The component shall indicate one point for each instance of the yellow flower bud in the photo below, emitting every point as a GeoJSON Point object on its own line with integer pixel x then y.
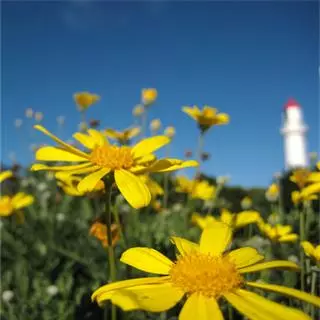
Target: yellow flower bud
{"type": "Point", "coordinates": [170, 132]}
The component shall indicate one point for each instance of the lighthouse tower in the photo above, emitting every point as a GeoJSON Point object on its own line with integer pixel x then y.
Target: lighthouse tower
{"type": "Point", "coordinates": [294, 131]}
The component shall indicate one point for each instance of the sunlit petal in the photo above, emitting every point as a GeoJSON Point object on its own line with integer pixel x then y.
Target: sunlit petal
{"type": "Point", "coordinates": [132, 188]}
{"type": "Point", "coordinates": [148, 260]}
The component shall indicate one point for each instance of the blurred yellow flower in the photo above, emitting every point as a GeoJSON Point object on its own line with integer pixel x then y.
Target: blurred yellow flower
{"type": "Point", "coordinates": [207, 117]}
{"type": "Point", "coordinates": [18, 123]}
{"type": "Point", "coordinates": [85, 99]}
{"type": "Point", "coordinates": [148, 96]}
{"type": "Point", "coordinates": [123, 137]}
{"type": "Point", "coordinates": [68, 183]}
{"type": "Point", "coordinates": [156, 205]}
{"type": "Point", "coordinates": [311, 251]}
{"type": "Point", "coordinates": [246, 203]}
{"type": "Point", "coordinates": [4, 175]}
{"type": "Point", "coordinates": [278, 233]}
{"type": "Point", "coordinates": [300, 177]}
{"type": "Point", "coordinates": [234, 220]}
{"type": "Point", "coordinates": [195, 188]}
{"type": "Point", "coordinates": [29, 113]}
{"type": "Point", "coordinates": [203, 273]}
{"type": "Point", "coordinates": [272, 194]}
{"type": "Point", "coordinates": [99, 230]}
{"type": "Point", "coordinates": [306, 194]}
{"type": "Point", "coordinates": [155, 125]}
{"type": "Point", "coordinates": [138, 110]}
{"type": "Point", "coordinates": [38, 116]}
{"type": "Point", "coordinates": [170, 132]}
{"type": "Point", "coordinates": [124, 163]}
{"type": "Point", "coordinates": [10, 205]}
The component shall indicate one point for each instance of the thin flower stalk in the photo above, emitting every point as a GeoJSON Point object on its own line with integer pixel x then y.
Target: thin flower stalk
{"type": "Point", "coordinates": [112, 262]}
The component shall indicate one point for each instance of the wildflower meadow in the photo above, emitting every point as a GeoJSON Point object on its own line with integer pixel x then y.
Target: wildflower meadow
{"type": "Point", "coordinates": [108, 225]}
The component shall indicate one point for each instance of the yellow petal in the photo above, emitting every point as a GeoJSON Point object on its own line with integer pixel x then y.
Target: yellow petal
{"type": "Point", "coordinates": [59, 141]}
{"type": "Point", "coordinates": [148, 260]}
{"type": "Point", "coordinates": [113, 134]}
{"type": "Point", "coordinates": [57, 154]}
{"type": "Point", "coordinates": [307, 247]}
{"type": "Point", "coordinates": [5, 175]}
{"type": "Point", "coordinates": [150, 297]}
{"type": "Point", "coordinates": [245, 257]}
{"type": "Point", "coordinates": [282, 264]}
{"type": "Point", "coordinates": [149, 158]}
{"type": "Point", "coordinates": [132, 188]}
{"type": "Point", "coordinates": [85, 140]}
{"type": "Point", "coordinates": [22, 202]}
{"type": "Point", "coordinates": [89, 182]}
{"type": "Point", "coordinates": [215, 238]}
{"type": "Point", "coordinates": [149, 145]}
{"type": "Point", "coordinates": [184, 246]}
{"type": "Point", "coordinates": [97, 137]}
{"type": "Point", "coordinates": [167, 165]}
{"type": "Point", "coordinates": [39, 166]}
{"type": "Point", "coordinates": [105, 292]}
{"type": "Point", "coordinates": [288, 292]}
{"type": "Point", "coordinates": [256, 307]}
{"type": "Point", "coordinates": [222, 118]}
{"type": "Point", "coordinates": [193, 112]}
{"type": "Point", "coordinates": [289, 238]}
{"type": "Point", "coordinates": [198, 307]}
{"type": "Point", "coordinates": [133, 132]}
{"type": "Point", "coordinates": [311, 189]}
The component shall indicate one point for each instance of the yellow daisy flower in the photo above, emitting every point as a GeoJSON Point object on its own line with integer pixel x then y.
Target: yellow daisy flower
{"type": "Point", "coordinates": [138, 110]}
{"type": "Point", "coordinates": [278, 233]}
{"type": "Point", "coordinates": [246, 203]}
{"type": "Point", "coordinates": [10, 205]}
{"type": "Point", "coordinates": [311, 251]}
{"type": "Point", "coordinates": [169, 132]}
{"type": "Point", "coordinates": [68, 183]}
{"type": "Point", "coordinates": [149, 96]}
{"type": "Point", "coordinates": [123, 137]}
{"type": "Point", "coordinates": [85, 99]}
{"type": "Point", "coordinates": [125, 163]}
{"type": "Point", "coordinates": [306, 194]}
{"type": "Point", "coordinates": [203, 273]}
{"type": "Point", "coordinates": [234, 220]}
{"type": "Point", "coordinates": [207, 117]}
{"type": "Point", "coordinates": [195, 188]}
{"type": "Point", "coordinates": [155, 125]}
{"type": "Point", "coordinates": [99, 230]}
{"type": "Point", "coordinates": [300, 177]}
{"type": "Point", "coordinates": [272, 194]}
{"type": "Point", "coordinates": [4, 175]}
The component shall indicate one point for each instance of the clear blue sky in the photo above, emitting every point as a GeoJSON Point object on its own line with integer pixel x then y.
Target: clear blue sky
{"type": "Point", "coordinates": [244, 58]}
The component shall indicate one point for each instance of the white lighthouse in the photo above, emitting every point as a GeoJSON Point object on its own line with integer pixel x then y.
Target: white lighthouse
{"type": "Point", "coordinates": [294, 131]}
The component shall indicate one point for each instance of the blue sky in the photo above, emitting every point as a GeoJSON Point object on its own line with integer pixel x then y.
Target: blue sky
{"type": "Point", "coordinates": [244, 58]}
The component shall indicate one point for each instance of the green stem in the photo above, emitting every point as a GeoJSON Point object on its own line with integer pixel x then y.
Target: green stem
{"type": "Point", "coordinates": [230, 313]}
{"type": "Point", "coordinates": [199, 152]}
{"type": "Point", "coordinates": [112, 262]}
{"type": "Point", "coordinates": [313, 292]}
{"type": "Point", "coordinates": [117, 218]}
{"type": "Point", "coordinates": [166, 181]}
{"type": "Point", "coordinates": [302, 238]}
{"type": "Point", "coordinates": [144, 122]}
{"type": "Point", "coordinates": [280, 203]}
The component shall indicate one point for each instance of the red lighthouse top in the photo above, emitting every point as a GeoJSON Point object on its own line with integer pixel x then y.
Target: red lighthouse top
{"type": "Point", "coordinates": [291, 104]}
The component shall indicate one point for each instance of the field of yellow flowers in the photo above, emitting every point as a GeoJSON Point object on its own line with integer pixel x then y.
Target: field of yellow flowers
{"type": "Point", "coordinates": [101, 228]}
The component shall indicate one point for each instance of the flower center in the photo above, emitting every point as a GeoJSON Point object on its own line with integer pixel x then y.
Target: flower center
{"type": "Point", "coordinates": [205, 274]}
{"type": "Point", "coordinates": [112, 157]}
